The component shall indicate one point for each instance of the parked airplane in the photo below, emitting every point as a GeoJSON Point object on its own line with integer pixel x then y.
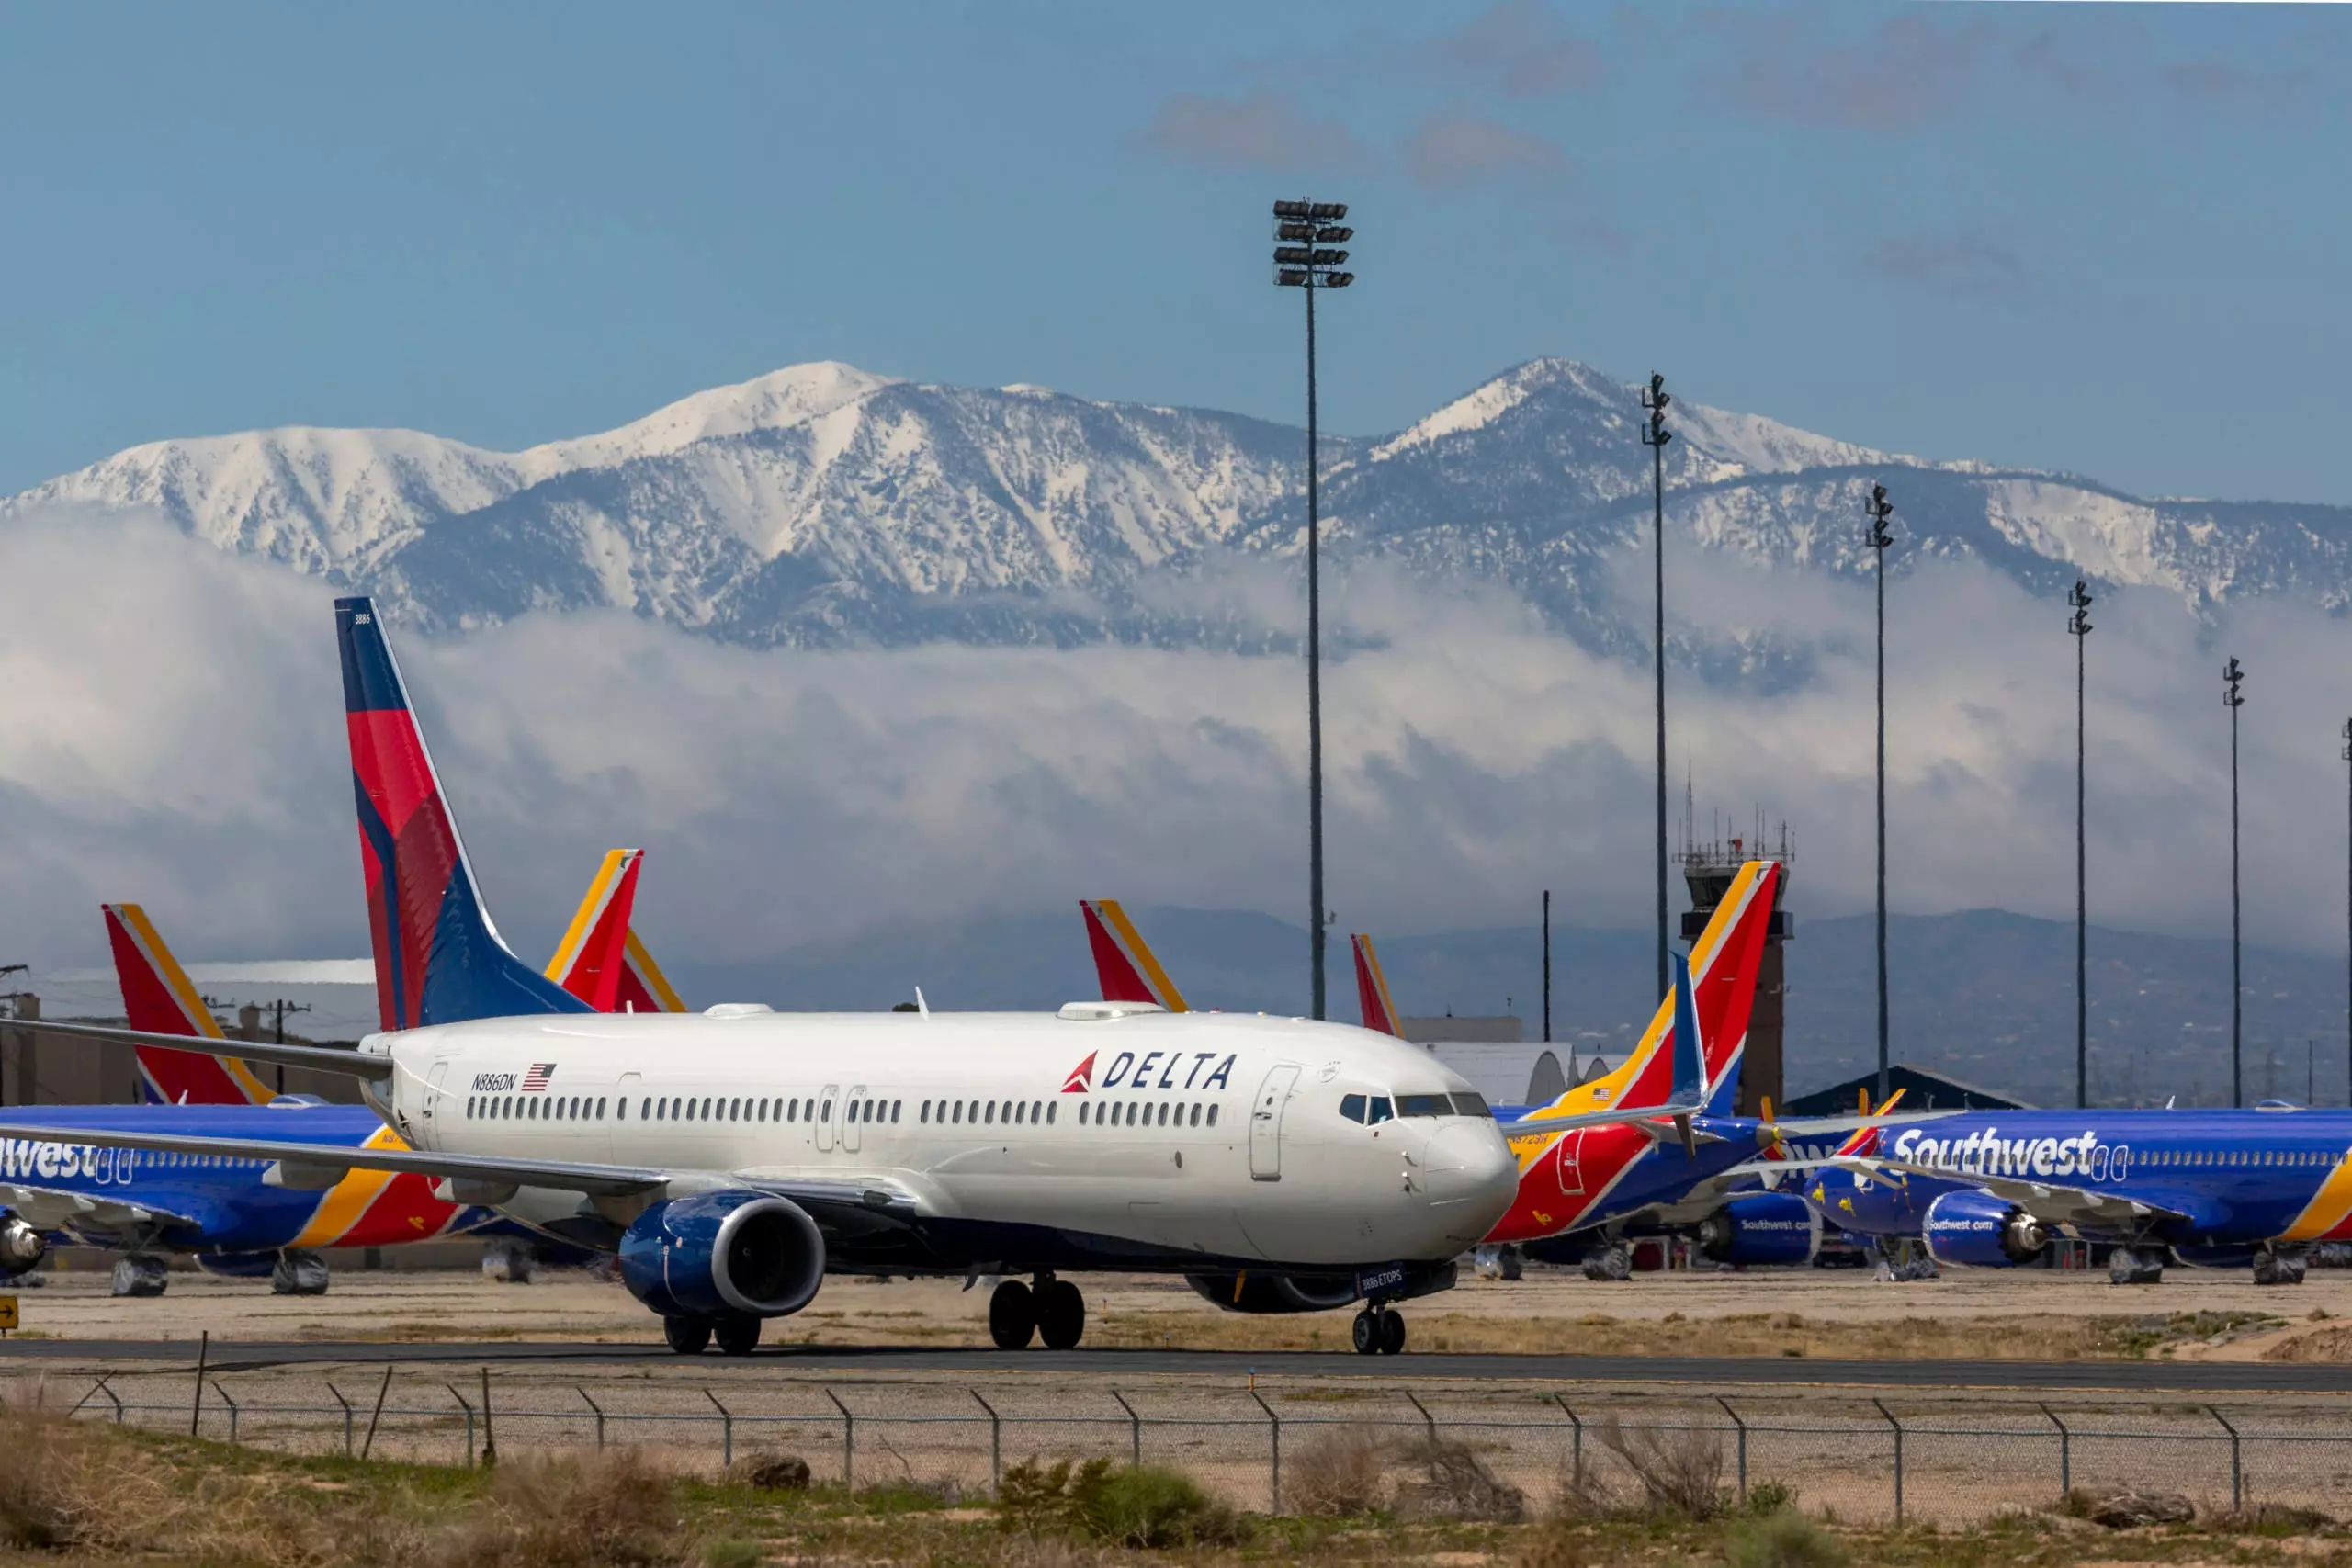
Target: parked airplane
{"type": "Point", "coordinates": [2215, 1189]}
{"type": "Point", "coordinates": [734, 1157]}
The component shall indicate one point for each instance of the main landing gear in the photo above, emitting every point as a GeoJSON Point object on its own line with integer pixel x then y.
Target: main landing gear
{"type": "Point", "coordinates": [1379, 1331]}
{"type": "Point", "coordinates": [2279, 1268]}
{"type": "Point", "coordinates": [2135, 1265]}
{"type": "Point", "coordinates": [738, 1333]}
{"type": "Point", "coordinates": [1052, 1310]}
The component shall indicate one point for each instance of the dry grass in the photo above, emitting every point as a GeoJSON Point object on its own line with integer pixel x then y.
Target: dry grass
{"type": "Point", "coordinates": [1337, 1475]}
{"type": "Point", "coordinates": [1676, 1473]}
{"type": "Point", "coordinates": [609, 1511]}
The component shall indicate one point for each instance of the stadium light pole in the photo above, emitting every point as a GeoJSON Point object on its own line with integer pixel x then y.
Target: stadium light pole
{"type": "Point", "coordinates": [1655, 435]}
{"type": "Point", "coordinates": [2232, 676]}
{"type": "Point", "coordinates": [2079, 625]}
{"type": "Point", "coordinates": [1878, 509]}
{"type": "Point", "coordinates": [2347, 926]}
{"type": "Point", "coordinates": [1303, 233]}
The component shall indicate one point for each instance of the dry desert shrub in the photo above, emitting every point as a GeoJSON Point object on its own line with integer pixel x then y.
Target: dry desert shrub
{"type": "Point", "coordinates": [1446, 1480]}
{"type": "Point", "coordinates": [610, 1510]}
{"type": "Point", "coordinates": [63, 1485]}
{"type": "Point", "coordinates": [1338, 1474]}
{"type": "Point", "coordinates": [1676, 1471]}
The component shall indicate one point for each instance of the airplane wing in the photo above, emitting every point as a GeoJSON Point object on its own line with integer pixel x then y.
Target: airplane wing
{"type": "Point", "coordinates": [56, 1209]}
{"type": "Point", "coordinates": [2050, 1202]}
{"type": "Point", "coordinates": [311, 1165]}
{"type": "Point", "coordinates": [327, 1058]}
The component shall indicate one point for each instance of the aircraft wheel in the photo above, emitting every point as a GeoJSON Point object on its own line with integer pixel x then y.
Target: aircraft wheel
{"type": "Point", "coordinates": [139, 1275]}
{"type": "Point", "coordinates": [298, 1272]}
{"type": "Point", "coordinates": [687, 1336]}
{"type": "Point", "coordinates": [2130, 1265]}
{"type": "Point", "coordinates": [1392, 1334]}
{"type": "Point", "coordinates": [738, 1333]}
{"type": "Point", "coordinates": [1013, 1315]}
{"type": "Point", "coordinates": [2278, 1268]}
{"type": "Point", "coordinates": [1609, 1263]}
{"type": "Point", "coordinates": [1367, 1333]}
{"type": "Point", "coordinates": [1061, 1314]}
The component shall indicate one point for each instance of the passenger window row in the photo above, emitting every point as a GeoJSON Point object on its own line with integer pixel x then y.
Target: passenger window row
{"type": "Point", "coordinates": [1372, 1110]}
{"type": "Point", "coordinates": [679, 1108]}
{"type": "Point", "coordinates": [2312, 1159]}
{"type": "Point", "coordinates": [538, 1108]}
{"type": "Point", "coordinates": [989, 1112]}
{"type": "Point", "coordinates": [1136, 1112]}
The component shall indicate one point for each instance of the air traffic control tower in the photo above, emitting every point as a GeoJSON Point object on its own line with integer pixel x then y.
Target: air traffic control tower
{"type": "Point", "coordinates": [1709, 869]}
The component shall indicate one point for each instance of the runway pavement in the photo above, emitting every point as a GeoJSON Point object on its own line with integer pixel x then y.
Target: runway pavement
{"type": "Point", "coordinates": [1714, 1373]}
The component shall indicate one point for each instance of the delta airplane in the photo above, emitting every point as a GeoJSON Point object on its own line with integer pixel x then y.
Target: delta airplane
{"type": "Point", "coordinates": [1582, 1190]}
{"type": "Point", "coordinates": [228, 1213]}
{"type": "Point", "coordinates": [734, 1157]}
{"type": "Point", "coordinates": [2215, 1189]}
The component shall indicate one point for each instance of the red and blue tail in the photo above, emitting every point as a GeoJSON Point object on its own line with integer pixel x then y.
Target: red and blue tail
{"type": "Point", "coordinates": [439, 959]}
{"type": "Point", "coordinates": [157, 998]}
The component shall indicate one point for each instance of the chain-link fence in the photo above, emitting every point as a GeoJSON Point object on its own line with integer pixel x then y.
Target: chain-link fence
{"type": "Point", "coordinates": [1864, 1460]}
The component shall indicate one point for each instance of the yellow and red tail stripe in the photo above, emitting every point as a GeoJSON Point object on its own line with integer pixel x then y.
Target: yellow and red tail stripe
{"type": "Point", "coordinates": [644, 988]}
{"type": "Point", "coordinates": [1379, 1009]}
{"type": "Point", "coordinates": [157, 998]}
{"type": "Point", "coordinates": [1124, 961]}
{"type": "Point", "coordinates": [377, 1208]}
{"type": "Point", "coordinates": [1564, 1176]}
{"type": "Point", "coordinates": [593, 955]}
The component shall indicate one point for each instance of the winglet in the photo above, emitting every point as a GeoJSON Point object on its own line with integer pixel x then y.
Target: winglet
{"type": "Point", "coordinates": [158, 998]}
{"type": "Point", "coordinates": [593, 958]}
{"type": "Point", "coordinates": [1689, 1051]}
{"type": "Point", "coordinates": [1372, 988]}
{"type": "Point", "coordinates": [1124, 961]}
{"type": "Point", "coordinates": [439, 958]}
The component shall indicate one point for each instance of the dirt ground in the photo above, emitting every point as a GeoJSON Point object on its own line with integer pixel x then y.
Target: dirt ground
{"type": "Point", "coordinates": [2037, 1314]}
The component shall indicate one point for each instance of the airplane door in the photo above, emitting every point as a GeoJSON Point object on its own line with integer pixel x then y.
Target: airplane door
{"type": "Point", "coordinates": [856, 1098]}
{"type": "Point", "coordinates": [1266, 1124]}
{"type": "Point", "coordinates": [828, 1104]}
{"type": "Point", "coordinates": [429, 1134]}
{"type": "Point", "coordinates": [1571, 1165]}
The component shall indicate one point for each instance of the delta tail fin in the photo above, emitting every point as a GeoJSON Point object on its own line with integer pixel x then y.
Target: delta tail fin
{"type": "Point", "coordinates": [439, 958]}
{"type": "Point", "coordinates": [158, 998]}
{"type": "Point", "coordinates": [1124, 961]}
{"type": "Point", "coordinates": [592, 957]}
{"type": "Point", "coordinates": [1379, 1009]}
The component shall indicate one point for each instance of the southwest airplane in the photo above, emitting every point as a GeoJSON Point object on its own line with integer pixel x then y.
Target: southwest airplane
{"type": "Point", "coordinates": [1583, 1189]}
{"type": "Point", "coordinates": [2215, 1189]}
{"type": "Point", "coordinates": [734, 1157]}
{"type": "Point", "coordinates": [229, 1213]}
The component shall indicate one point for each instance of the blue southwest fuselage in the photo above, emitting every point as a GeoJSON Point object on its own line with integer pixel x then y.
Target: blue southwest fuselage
{"type": "Point", "coordinates": [2208, 1177]}
{"type": "Point", "coordinates": [112, 1197]}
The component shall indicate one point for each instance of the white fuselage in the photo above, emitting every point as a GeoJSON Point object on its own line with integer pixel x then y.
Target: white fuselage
{"type": "Point", "coordinates": [1212, 1136]}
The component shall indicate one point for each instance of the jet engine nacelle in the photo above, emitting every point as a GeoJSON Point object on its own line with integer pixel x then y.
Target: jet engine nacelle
{"type": "Point", "coordinates": [723, 1252]}
{"type": "Point", "coordinates": [21, 1247]}
{"type": "Point", "coordinates": [1761, 1227]}
{"type": "Point", "coordinates": [1275, 1292]}
{"type": "Point", "coordinates": [1979, 1231]}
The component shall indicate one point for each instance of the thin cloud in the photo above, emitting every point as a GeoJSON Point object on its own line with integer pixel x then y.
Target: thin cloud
{"type": "Point", "coordinates": [1963, 266]}
{"type": "Point", "coordinates": [1261, 129]}
{"type": "Point", "coordinates": [2045, 55]}
{"type": "Point", "coordinates": [2217, 83]}
{"type": "Point", "coordinates": [1521, 50]}
{"type": "Point", "coordinates": [1453, 151]}
{"type": "Point", "coordinates": [1907, 71]}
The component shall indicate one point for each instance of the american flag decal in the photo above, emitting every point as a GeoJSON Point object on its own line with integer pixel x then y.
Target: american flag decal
{"type": "Point", "coordinates": [536, 1080]}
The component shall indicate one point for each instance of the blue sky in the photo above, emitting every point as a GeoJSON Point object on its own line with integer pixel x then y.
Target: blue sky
{"type": "Point", "coordinates": [2108, 238]}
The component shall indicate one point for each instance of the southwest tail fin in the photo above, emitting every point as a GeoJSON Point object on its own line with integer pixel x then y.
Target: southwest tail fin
{"type": "Point", "coordinates": [157, 998]}
{"type": "Point", "coordinates": [644, 988]}
{"type": "Point", "coordinates": [439, 959]}
{"type": "Point", "coordinates": [1865, 1140]}
{"type": "Point", "coordinates": [1124, 961]}
{"type": "Point", "coordinates": [1372, 988]}
{"type": "Point", "coordinates": [592, 957]}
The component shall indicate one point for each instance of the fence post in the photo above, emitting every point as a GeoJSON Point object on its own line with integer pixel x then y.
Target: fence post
{"type": "Point", "coordinates": [1743, 1443]}
{"type": "Point", "coordinates": [376, 1415]}
{"type": "Point", "coordinates": [1576, 1423]}
{"type": "Point", "coordinates": [1890, 1421]}
{"type": "Point", "coordinates": [996, 1443]}
{"type": "Point", "coordinates": [726, 1429]}
{"type": "Point", "coordinates": [2237, 1472]}
{"type": "Point", "coordinates": [1276, 1421]}
{"type": "Point", "coordinates": [489, 1430]}
{"type": "Point", "coordinates": [600, 1415]}
{"type": "Point", "coordinates": [1135, 1430]}
{"type": "Point", "coordinates": [849, 1443]}
{"type": "Point", "coordinates": [2065, 1454]}
{"type": "Point", "coordinates": [223, 1394]}
{"type": "Point", "coordinates": [115, 1398]}
{"type": "Point", "coordinates": [1426, 1419]}
{"type": "Point", "coordinates": [203, 1356]}
{"type": "Point", "coordinates": [347, 1417]}
{"type": "Point", "coordinates": [469, 1421]}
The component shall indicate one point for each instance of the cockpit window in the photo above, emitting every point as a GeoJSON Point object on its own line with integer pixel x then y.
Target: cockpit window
{"type": "Point", "coordinates": [1423, 1105]}
{"type": "Point", "coordinates": [1351, 1107]}
{"type": "Point", "coordinates": [1379, 1110]}
{"type": "Point", "coordinates": [1470, 1105]}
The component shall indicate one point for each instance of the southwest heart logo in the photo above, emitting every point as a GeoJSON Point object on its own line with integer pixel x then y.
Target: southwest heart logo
{"type": "Point", "coordinates": [1082, 1079]}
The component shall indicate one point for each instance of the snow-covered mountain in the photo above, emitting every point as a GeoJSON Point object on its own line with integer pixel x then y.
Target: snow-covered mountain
{"type": "Point", "coordinates": [822, 504]}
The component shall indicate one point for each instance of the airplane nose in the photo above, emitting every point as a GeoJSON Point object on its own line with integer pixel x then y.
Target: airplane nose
{"type": "Point", "coordinates": [1472, 1174]}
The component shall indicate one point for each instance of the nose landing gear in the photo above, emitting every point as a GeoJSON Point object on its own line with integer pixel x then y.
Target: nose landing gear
{"type": "Point", "coordinates": [1052, 1310]}
{"type": "Point", "coordinates": [1379, 1332]}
